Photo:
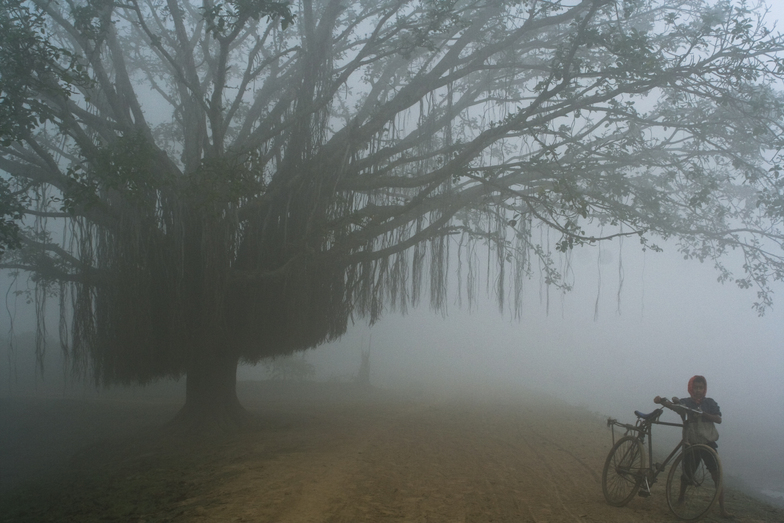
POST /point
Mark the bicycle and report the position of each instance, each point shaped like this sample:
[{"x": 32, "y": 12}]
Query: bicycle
[{"x": 693, "y": 482}]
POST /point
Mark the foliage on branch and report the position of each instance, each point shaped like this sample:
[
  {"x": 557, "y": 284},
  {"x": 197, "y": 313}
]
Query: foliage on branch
[{"x": 246, "y": 177}]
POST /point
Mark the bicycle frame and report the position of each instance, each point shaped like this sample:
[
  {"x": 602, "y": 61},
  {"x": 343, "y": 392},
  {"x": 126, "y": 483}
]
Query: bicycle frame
[
  {"x": 643, "y": 428},
  {"x": 690, "y": 491}
]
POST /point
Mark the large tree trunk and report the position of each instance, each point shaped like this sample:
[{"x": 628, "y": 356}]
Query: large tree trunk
[{"x": 211, "y": 395}]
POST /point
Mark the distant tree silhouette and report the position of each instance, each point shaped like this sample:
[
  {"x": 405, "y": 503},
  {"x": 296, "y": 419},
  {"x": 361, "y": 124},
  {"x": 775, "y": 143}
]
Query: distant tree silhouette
[
  {"x": 290, "y": 368},
  {"x": 363, "y": 375},
  {"x": 203, "y": 183}
]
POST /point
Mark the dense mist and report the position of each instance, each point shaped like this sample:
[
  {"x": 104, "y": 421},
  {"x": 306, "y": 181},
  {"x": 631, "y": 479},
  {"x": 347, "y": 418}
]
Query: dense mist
[
  {"x": 635, "y": 324},
  {"x": 670, "y": 320}
]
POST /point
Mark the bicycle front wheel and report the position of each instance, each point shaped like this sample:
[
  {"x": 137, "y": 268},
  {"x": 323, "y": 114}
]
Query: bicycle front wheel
[
  {"x": 623, "y": 471},
  {"x": 694, "y": 482}
]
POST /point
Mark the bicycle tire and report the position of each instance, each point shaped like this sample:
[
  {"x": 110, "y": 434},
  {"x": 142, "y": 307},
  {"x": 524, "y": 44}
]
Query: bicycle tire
[
  {"x": 623, "y": 471},
  {"x": 692, "y": 487}
]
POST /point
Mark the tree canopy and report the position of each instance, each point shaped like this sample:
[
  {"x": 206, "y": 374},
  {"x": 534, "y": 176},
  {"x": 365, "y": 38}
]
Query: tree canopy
[{"x": 207, "y": 182}]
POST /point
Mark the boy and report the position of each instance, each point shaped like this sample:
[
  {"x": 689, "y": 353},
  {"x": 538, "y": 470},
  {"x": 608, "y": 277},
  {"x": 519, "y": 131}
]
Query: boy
[{"x": 711, "y": 413}]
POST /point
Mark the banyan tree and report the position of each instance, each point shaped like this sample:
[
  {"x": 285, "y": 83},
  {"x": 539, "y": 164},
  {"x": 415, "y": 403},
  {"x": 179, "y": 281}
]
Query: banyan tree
[{"x": 204, "y": 183}]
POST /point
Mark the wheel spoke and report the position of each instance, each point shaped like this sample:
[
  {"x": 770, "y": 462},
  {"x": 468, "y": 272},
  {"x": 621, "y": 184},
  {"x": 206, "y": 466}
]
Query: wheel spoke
[
  {"x": 694, "y": 482},
  {"x": 622, "y": 474}
]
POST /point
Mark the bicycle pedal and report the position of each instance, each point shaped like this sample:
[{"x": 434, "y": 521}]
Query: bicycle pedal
[{"x": 644, "y": 493}]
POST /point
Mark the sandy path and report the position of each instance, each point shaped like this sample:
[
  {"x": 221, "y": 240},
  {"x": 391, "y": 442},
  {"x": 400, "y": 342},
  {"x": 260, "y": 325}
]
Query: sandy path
[
  {"x": 379, "y": 460},
  {"x": 436, "y": 461}
]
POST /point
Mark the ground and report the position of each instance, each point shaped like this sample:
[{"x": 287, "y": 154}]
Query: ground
[{"x": 320, "y": 453}]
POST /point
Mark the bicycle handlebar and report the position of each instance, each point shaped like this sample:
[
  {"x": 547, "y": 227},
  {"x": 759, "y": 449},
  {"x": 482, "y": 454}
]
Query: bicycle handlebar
[{"x": 676, "y": 407}]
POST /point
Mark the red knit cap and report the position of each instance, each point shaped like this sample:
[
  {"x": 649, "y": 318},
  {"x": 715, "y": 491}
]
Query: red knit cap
[{"x": 697, "y": 399}]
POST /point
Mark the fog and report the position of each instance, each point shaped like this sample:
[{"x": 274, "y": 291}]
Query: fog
[
  {"x": 635, "y": 325},
  {"x": 671, "y": 320},
  {"x": 594, "y": 347},
  {"x": 605, "y": 350}
]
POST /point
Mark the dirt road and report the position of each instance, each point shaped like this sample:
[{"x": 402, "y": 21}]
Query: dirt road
[{"x": 358, "y": 457}]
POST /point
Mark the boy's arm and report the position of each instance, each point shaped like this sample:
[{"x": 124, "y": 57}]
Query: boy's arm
[
  {"x": 715, "y": 418},
  {"x": 711, "y": 411}
]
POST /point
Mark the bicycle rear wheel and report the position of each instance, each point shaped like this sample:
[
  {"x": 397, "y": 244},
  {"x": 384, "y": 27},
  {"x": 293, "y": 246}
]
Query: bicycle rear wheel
[
  {"x": 694, "y": 482},
  {"x": 623, "y": 471}
]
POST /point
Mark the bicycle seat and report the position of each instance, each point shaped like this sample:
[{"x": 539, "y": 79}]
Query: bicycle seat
[{"x": 646, "y": 416}]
